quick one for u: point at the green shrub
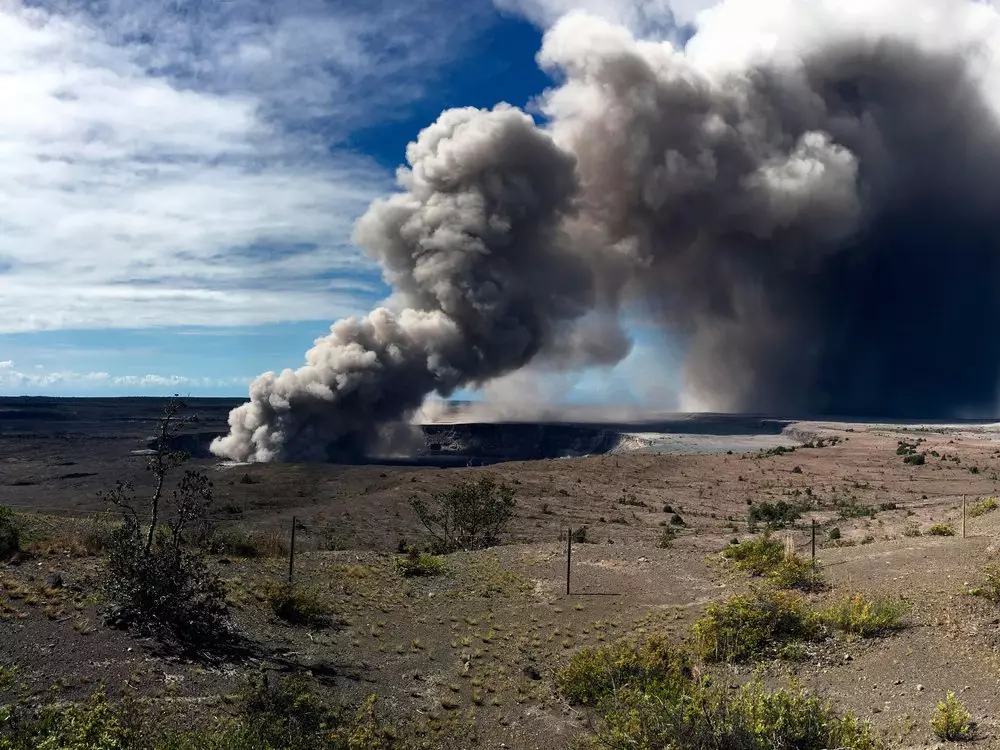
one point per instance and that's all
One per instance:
(667, 538)
(676, 520)
(951, 722)
(833, 534)
(766, 556)
(470, 516)
(166, 593)
(865, 616)
(649, 664)
(746, 626)
(795, 573)
(695, 715)
(231, 540)
(94, 725)
(298, 605)
(990, 587)
(10, 531)
(758, 556)
(417, 563)
(912, 529)
(887, 506)
(984, 506)
(916, 459)
(941, 529)
(580, 535)
(773, 515)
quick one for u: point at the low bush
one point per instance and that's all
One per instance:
(887, 506)
(951, 722)
(941, 529)
(647, 696)
(580, 535)
(469, 516)
(649, 664)
(10, 531)
(916, 459)
(268, 714)
(766, 556)
(416, 563)
(748, 626)
(758, 556)
(166, 593)
(834, 534)
(865, 616)
(984, 506)
(298, 605)
(667, 538)
(990, 587)
(238, 542)
(912, 529)
(773, 515)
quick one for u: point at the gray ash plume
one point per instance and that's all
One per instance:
(821, 230)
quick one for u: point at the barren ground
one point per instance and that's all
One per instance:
(476, 648)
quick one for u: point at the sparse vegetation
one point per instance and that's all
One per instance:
(951, 722)
(865, 616)
(471, 515)
(917, 459)
(10, 532)
(776, 515)
(941, 529)
(298, 605)
(648, 696)
(766, 556)
(990, 587)
(747, 626)
(984, 506)
(417, 563)
(155, 583)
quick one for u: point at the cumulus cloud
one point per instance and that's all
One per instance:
(174, 166)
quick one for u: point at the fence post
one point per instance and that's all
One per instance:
(569, 555)
(963, 516)
(291, 554)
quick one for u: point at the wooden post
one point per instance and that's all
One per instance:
(963, 516)
(569, 555)
(291, 554)
(814, 549)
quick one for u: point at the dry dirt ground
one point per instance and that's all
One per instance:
(475, 650)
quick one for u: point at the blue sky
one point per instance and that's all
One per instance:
(180, 180)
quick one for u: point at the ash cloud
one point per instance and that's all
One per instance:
(817, 222)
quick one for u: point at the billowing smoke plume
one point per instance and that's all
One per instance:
(818, 221)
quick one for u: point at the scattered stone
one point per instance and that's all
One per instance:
(920, 688)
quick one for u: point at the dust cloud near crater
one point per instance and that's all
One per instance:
(808, 202)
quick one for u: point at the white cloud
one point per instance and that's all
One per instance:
(148, 158)
(645, 18)
(14, 381)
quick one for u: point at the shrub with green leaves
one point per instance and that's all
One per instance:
(647, 696)
(298, 605)
(951, 722)
(766, 556)
(416, 563)
(10, 531)
(990, 587)
(167, 592)
(650, 664)
(776, 515)
(93, 725)
(469, 516)
(941, 529)
(984, 506)
(747, 626)
(865, 616)
(758, 556)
